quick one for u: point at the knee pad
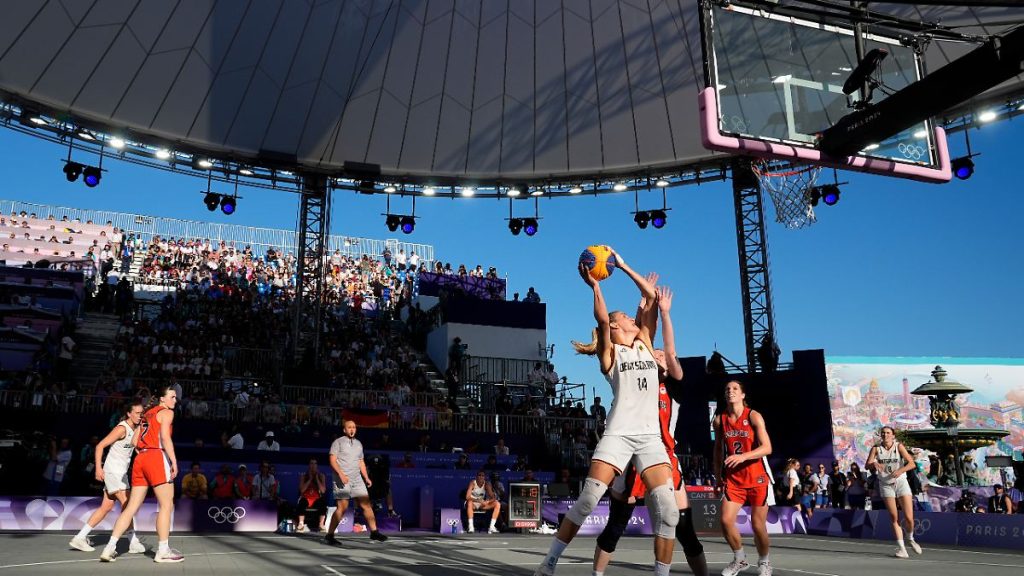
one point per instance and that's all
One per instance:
(687, 536)
(661, 505)
(592, 491)
(619, 514)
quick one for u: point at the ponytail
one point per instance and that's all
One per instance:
(154, 399)
(588, 349)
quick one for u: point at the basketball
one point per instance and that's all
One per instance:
(599, 260)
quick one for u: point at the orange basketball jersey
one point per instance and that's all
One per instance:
(738, 437)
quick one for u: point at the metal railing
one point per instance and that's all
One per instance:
(489, 370)
(317, 395)
(149, 226)
(408, 418)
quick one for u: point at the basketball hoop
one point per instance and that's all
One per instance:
(789, 186)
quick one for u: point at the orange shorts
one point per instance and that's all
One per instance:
(753, 496)
(635, 485)
(151, 468)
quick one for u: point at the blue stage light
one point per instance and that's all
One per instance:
(227, 205)
(91, 176)
(658, 218)
(530, 226)
(408, 224)
(963, 167)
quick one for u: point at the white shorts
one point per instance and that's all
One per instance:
(645, 451)
(355, 488)
(115, 480)
(895, 488)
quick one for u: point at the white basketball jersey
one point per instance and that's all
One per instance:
(120, 453)
(634, 382)
(888, 460)
(477, 493)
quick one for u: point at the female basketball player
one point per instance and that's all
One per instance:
(480, 496)
(623, 349)
(113, 473)
(627, 488)
(155, 466)
(891, 461)
(741, 447)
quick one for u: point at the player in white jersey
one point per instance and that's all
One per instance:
(633, 432)
(480, 496)
(891, 462)
(113, 473)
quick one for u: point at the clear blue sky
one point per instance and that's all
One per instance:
(897, 268)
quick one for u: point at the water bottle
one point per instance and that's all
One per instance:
(290, 527)
(454, 529)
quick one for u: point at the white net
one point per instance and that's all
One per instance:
(789, 186)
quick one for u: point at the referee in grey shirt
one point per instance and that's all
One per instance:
(350, 481)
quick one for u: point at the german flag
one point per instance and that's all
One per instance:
(366, 418)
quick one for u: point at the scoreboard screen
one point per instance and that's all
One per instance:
(524, 505)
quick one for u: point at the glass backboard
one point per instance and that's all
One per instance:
(775, 83)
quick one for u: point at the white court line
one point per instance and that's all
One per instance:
(331, 570)
(806, 571)
(885, 544)
(143, 556)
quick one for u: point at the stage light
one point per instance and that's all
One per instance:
(200, 163)
(815, 195)
(245, 171)
(515, 225)
(163, 154)
(429, 191)
(963, 167)
(389, 189)
(530, 226)
(408, 224)
(91, 175)
(661, 183)
(658, 218)
(987, 116)
(515, 191)
(392, 222)
(467, 192)
(830, 194)
(85, 135)
(117, 143)
(72, 170)
(619, 187)
(642, 218)
(537, 192)
(212, 200)
(575, 190)
(227, 205)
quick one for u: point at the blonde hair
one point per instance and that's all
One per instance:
(588, 349)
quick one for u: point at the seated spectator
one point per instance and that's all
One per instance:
(1000, 502)
(243, 483)
(268, 443)
(312, 496)
(492, 463)
(406, 462)
(235, 441)
(463, 462)
(264, 484)
(223, 485)
(531, 296)
(193, 484)
(528, 476)
(500, 449)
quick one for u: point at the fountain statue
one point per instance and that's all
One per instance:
(947, 438)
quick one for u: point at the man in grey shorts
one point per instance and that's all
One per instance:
(350, 481)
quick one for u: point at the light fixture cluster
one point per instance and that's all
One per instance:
(226, 203)
(396, 221)
(656, 218)
(827, 194)
(91, 175)
(527, 225)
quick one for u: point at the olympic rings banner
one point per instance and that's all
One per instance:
(949, 528)
(71, 513)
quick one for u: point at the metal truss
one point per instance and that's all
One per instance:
(314, 227)
(752, 244)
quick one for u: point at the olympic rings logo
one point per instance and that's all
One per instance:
(226, 514)
(922, 526)
(912, 151)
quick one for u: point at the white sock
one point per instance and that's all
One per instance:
(596, 573)
(494, 523)
(163, 547)
(555, 552)
(84, 531)
(763, 559)
(111, 546)
(740, 555)
(900, 544)
(661, 569)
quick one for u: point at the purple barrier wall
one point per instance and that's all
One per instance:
(71, 513)
(947, 528)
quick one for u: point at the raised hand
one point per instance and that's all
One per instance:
(585, 274)
(664, 298)
(652, 278)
